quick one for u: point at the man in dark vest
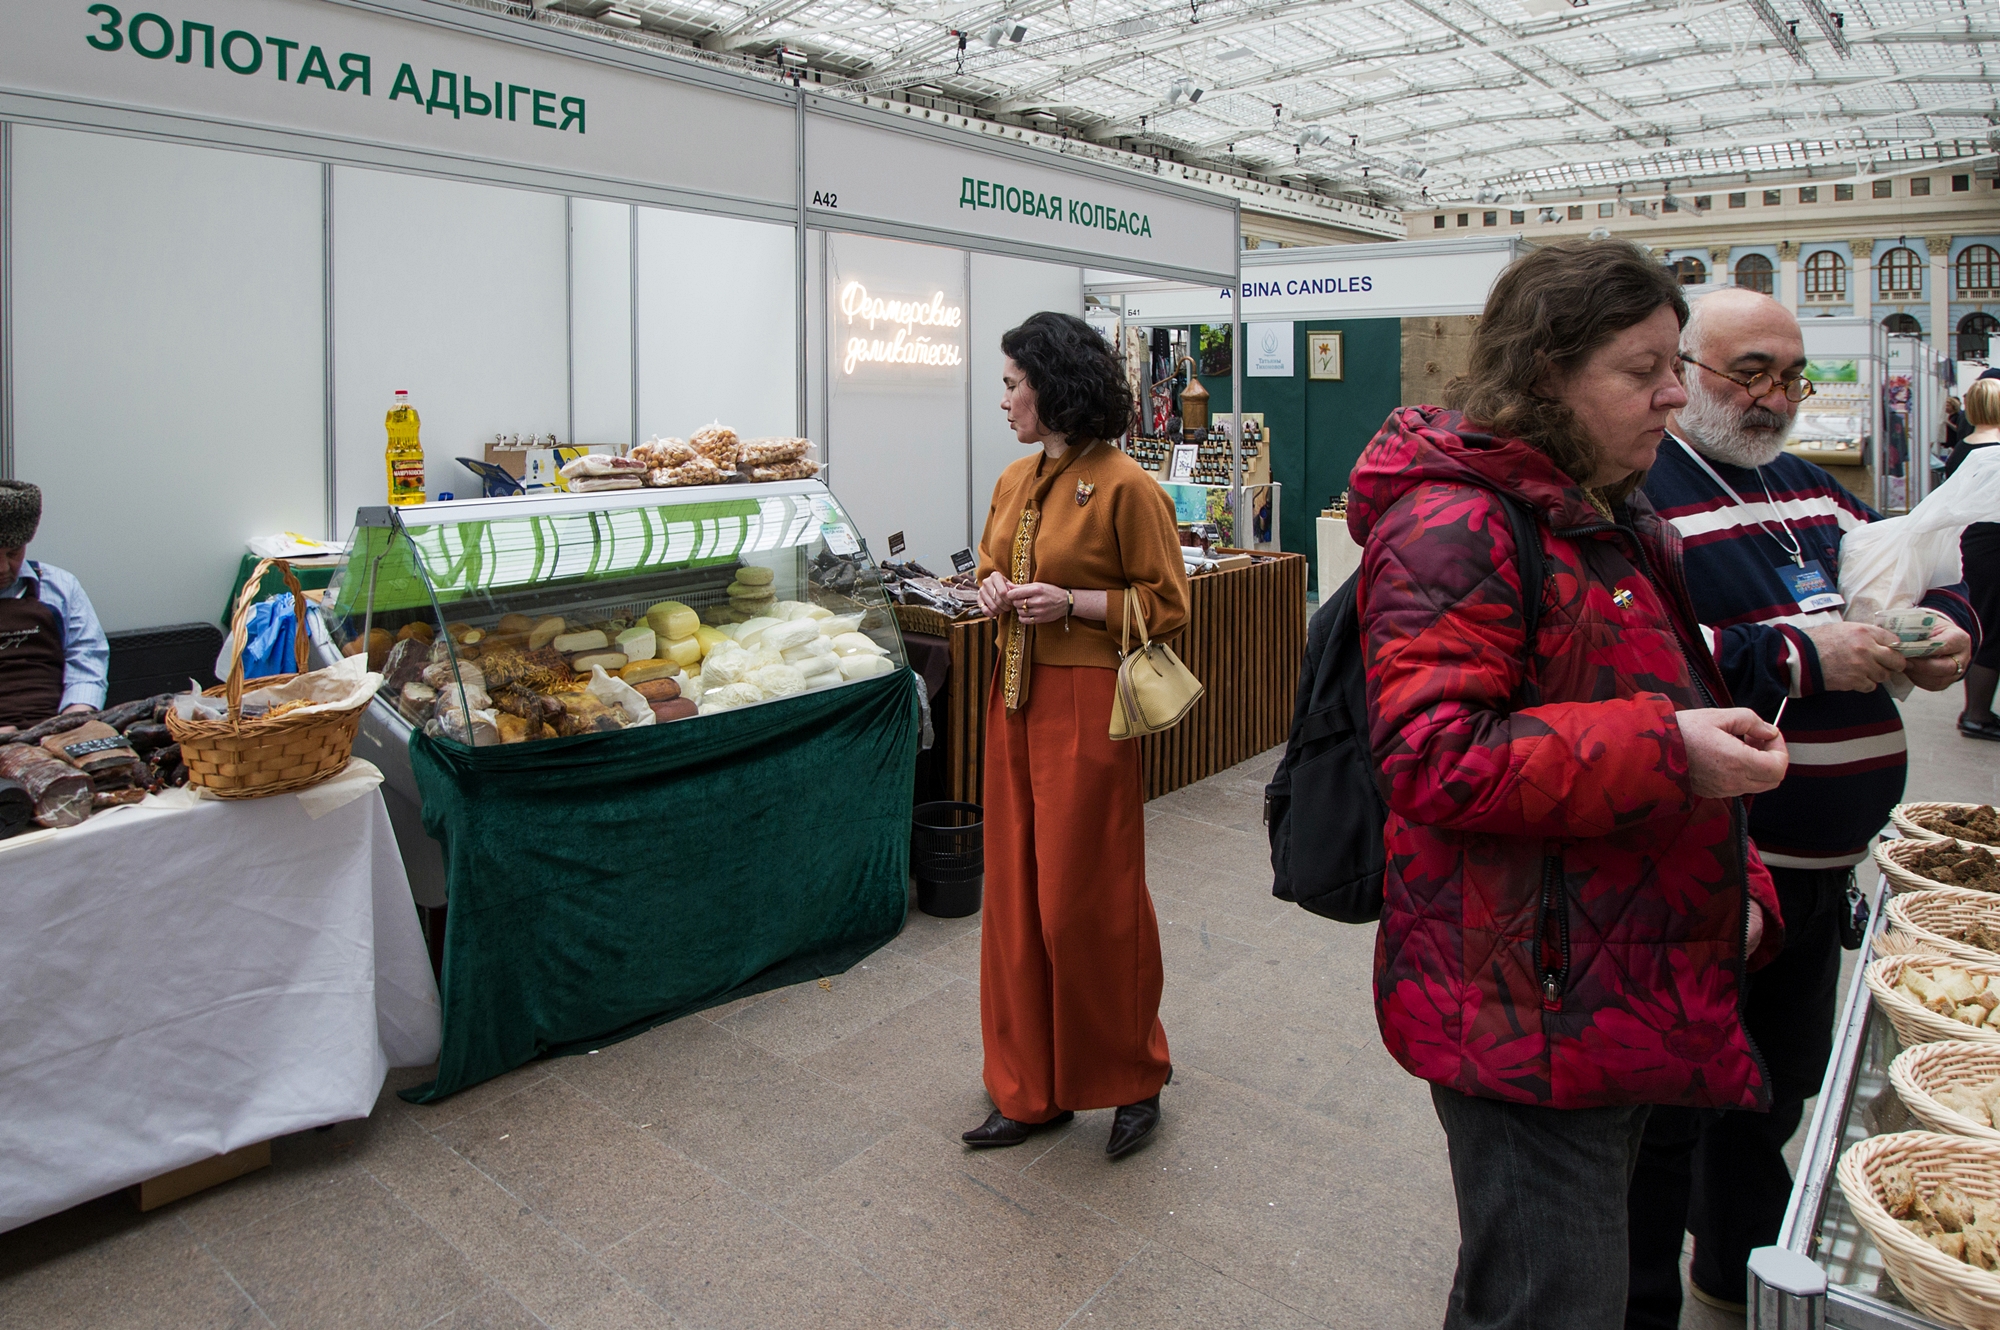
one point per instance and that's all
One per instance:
(53, 656)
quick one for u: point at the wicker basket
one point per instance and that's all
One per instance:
(1922, 921)
(235, 758)
(1905, 815)
(1920, 1074)
(922, 619)
(1915, 1023)
(1890, 856)
(1948, 1290)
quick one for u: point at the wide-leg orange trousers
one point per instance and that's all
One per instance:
(1069, 950)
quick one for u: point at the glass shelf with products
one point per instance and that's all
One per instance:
(512, 620)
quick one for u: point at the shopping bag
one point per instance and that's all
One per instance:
(268, 646)
(1890, 564)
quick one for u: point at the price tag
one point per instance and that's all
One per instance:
(963, 561)
(840, 539)
(896, 545)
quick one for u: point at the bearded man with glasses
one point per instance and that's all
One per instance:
(1761, 532)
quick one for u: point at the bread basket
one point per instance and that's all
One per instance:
(1891, 856)
(1945, 1289)
(1914, 1022)
(1904, 816)
(234, 758)
(1923, 921)
(1922, 1073)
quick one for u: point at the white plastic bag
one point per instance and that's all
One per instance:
(617, 693)
(1890, 564)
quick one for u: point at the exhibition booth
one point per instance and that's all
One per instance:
(222, 251)
(1326, 344)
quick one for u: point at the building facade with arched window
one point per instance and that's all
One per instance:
(1823, 278)
(1755, 271)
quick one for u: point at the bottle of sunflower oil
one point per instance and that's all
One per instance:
(405, 454)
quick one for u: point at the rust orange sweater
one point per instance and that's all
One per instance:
(1123, 535)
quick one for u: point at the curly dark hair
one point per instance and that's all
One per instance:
(1080, 388)
(1547, 312)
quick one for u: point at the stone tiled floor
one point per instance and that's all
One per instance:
(792, 1160)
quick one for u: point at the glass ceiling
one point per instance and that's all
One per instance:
(1403, 102)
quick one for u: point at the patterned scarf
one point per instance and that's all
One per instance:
(1018, 654)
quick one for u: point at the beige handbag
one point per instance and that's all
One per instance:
(1154, 689)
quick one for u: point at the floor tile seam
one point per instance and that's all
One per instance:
(590, 1257)
(1196, 1258)
(1098, 1292)
(421, 1122)
(493, 1286)
(858, 1030)
(235, 1283)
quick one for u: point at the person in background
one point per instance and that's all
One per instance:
(1979, 553)
(1954, 424)
(1069, 948)
(53, 656)
(1569, 904)
(1761, 529)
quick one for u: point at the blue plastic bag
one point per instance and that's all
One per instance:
(270, 639)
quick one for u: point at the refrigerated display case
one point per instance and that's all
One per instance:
(1856, 1102)
(506, 603)
(645, 751)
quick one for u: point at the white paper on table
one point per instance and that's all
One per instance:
(346, 685)
(360, 777)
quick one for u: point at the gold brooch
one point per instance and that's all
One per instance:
(1622, 598)
(1083, 493)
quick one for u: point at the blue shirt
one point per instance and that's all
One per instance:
(86, 655)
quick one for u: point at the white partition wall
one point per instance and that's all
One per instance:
(717, 324)
(600, 266)
(169, 356)
(1004, 292)
(895, 355)
(456, 292)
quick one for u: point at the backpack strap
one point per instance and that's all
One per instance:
(1533, 565)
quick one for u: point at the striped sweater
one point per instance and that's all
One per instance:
(1847, 748)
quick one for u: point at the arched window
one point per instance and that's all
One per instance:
(1692, 271)
(1978, 273)
(1903, 323)
(1900, 275)
(1826, 277)
(1975, 332)
(1753, 273)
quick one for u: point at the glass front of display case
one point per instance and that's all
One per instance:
(514, 620)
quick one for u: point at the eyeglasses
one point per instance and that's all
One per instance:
(1761, 384)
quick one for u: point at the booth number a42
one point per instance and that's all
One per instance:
(825, 199)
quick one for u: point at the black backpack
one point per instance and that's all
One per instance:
(1329, 859)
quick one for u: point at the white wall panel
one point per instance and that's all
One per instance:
(1004, 292)
(896, 437)
(168, 329)
(718, 320)
(457, 293)
(601, 306)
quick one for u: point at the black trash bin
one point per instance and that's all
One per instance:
(948, 858)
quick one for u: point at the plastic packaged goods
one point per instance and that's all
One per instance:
(404, 457)
(60, 793)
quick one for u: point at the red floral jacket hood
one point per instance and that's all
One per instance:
(1564, 921)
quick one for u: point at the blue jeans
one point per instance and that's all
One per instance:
(1541, 1212)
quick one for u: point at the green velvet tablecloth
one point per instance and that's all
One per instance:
(601, 885)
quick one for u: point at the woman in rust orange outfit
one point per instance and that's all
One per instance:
(1069, 956)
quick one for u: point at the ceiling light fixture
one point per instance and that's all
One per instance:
(618, 18)
(1183, 86)
(995, 34)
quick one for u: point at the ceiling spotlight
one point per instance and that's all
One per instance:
(1547, 215)
(1315, 136)
(618, 18)
(1183, 86)
(1600, 233)
(1018, 31)
(995, 35)
(791, 59)
(1411, 169)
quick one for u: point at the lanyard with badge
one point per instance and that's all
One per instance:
(1805, 579)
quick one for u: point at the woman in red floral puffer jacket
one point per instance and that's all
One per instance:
(1571, 897)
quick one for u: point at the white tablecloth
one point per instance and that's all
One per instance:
(189, 976)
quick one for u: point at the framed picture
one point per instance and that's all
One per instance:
(1180, 467)
(1323, 355)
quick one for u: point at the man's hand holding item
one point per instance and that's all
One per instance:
(1939, 671)
(1854, 657)
(1731, 752)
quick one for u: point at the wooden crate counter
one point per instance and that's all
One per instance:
(1245, 638)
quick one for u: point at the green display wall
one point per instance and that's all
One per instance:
(1319, 427)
